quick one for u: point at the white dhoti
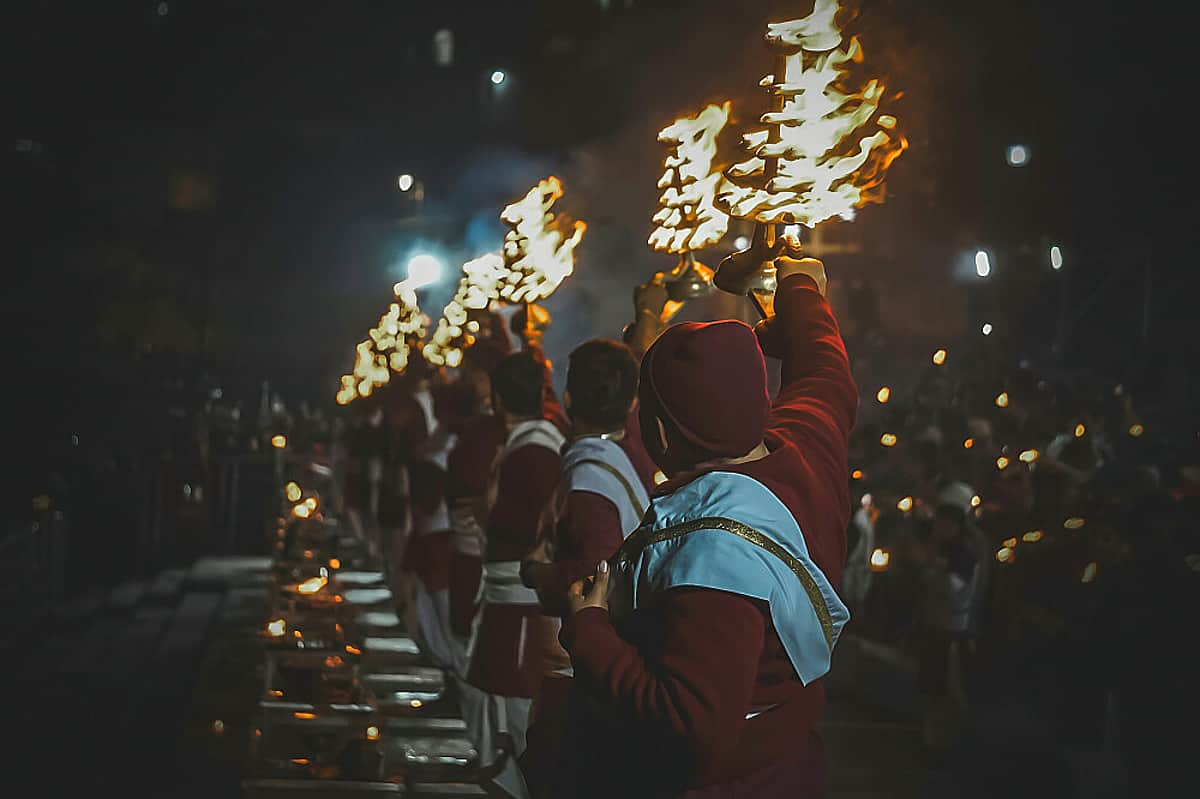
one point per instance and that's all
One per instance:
(432, 616)
(497, 726)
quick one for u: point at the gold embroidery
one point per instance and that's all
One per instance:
(632, 549)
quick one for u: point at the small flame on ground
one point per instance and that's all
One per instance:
(967, 444)
(1002, 399)
(277, 628)
(1080, 429)
(1002, 463)
(293, 492)
(884, 394)
(312, 585)
(278, 441)
(905, 504)
(939, 357)
(372, 733)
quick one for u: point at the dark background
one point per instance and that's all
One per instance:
(205, 191)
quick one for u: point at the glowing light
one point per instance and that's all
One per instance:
(1002, 463)
(300, 714)
(423, 270)
(353, 650)
(301, 761)
(939, 357)
(334, 563)
(880, 559)
(372, 733)
(983, 264)
(416, 703)
(1017, 155)
(312, 585)
(905, 504)
(1056, 259)
(218, 727)
(970, 442)
(857, 474)
(976, 501)
(311, 503)
(1002, 399)
(687, 218)
(659, 478)
(498, 76)
(1080, 429)
(478, 287)
(293, 492)
(301, 511)
(405, 182)
(1136, 430)
(888, 440)
(741, 243)
(277, 628)
(334, 662)
(1006, 555)
(1029, 456)
(279, 441)
(883, 394)
(1032, 537)
(986, 329)
(538, 253)
(1010, 543)
(1074, 523)
(1089, 572)
(816, 165)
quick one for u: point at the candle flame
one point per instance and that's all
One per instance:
(279, 441)
(688, 218)
(1074, 523)
(1002, 463)
(293, 492)
(970, 442)
(976, 501)
(538, 251)
(1002, 399)
(1080, 429)
(888, 439)
(939, 357)
(372, 733)
(1032, 537)
(277, 628)
(883, 395)
(905, 504)
(312, 585)
(1029, 456)
(1006, 555)
(880, 559)
(823, 168)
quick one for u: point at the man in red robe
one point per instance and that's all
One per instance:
(698, 691)
(504, 662)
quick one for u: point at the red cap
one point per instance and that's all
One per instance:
(709, 379)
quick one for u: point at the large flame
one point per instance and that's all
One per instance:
(386, 348)
(688, 218)
(538, 252)
(820, 171)
(479, 286)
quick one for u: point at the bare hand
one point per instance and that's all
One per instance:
(582, 595)
(651, 296)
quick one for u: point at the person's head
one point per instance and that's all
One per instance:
(702, 394)
(475, 372)
(517, 384)
(601, 384)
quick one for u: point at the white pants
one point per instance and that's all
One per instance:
(433, 626)
(497, 726)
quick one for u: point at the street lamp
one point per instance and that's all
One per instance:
(405, 182)
(498, 77)
(1056, 259)
(1017, 155)
(983, 264)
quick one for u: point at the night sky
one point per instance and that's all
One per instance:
(219, 177)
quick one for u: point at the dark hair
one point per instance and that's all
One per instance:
(518, 381)
(602, 381)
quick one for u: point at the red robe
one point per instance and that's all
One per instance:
(671, 688)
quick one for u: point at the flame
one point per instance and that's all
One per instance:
(1002, 399)
(1136, 430)
(970, 442)
(1002, 463)
(819, 170)
(857, 474)
(884, 394)
(905, 504)
(335, 564)
(538, 252)
(277, 628)
(372, 733)
(386, 348)
(218, 727)
(1029, 456)
(353, 650)
(1032, 537)
(293, 492)
(300, 714)
(479, 286)
(976, 501)
(301, 511)
(1074, 523)
(888, 439)
(312, 585)
(688, 218)
(1006, 555)
(939, 357)
(279, 441)
(1010, 543)
(1080, 429)
(880, 559)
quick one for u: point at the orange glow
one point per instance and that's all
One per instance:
(278, 441)
(277, 628)
(334, 563)
(1032, 537)
(1006, 555)
(905, 504)
(372, 733)
(970, 442)
(293, 492)
(301, 511)
(939, 357)
(1002, 463)
(334, 662)
(688, 218)
(1010, 543)
(300, 761)
(275, 693)
(1080, 430)
(297, 634)
(822, 166)
(880, 559)
(884, 394)
(888, 440)
(478, 287)
(1029, 456)
(538, 253)
(308, 553)
(1089, 572)
(1074, 523)
(857, 474)
(302, 715)
(976, 501)
(1136, 430)
(1002, 399)
(416, 703)
(353, 650)
(312, 585)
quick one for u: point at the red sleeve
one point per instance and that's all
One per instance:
(427, 485)
(818, 401)
(699, 683)
(588, 532)
(528, 478)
